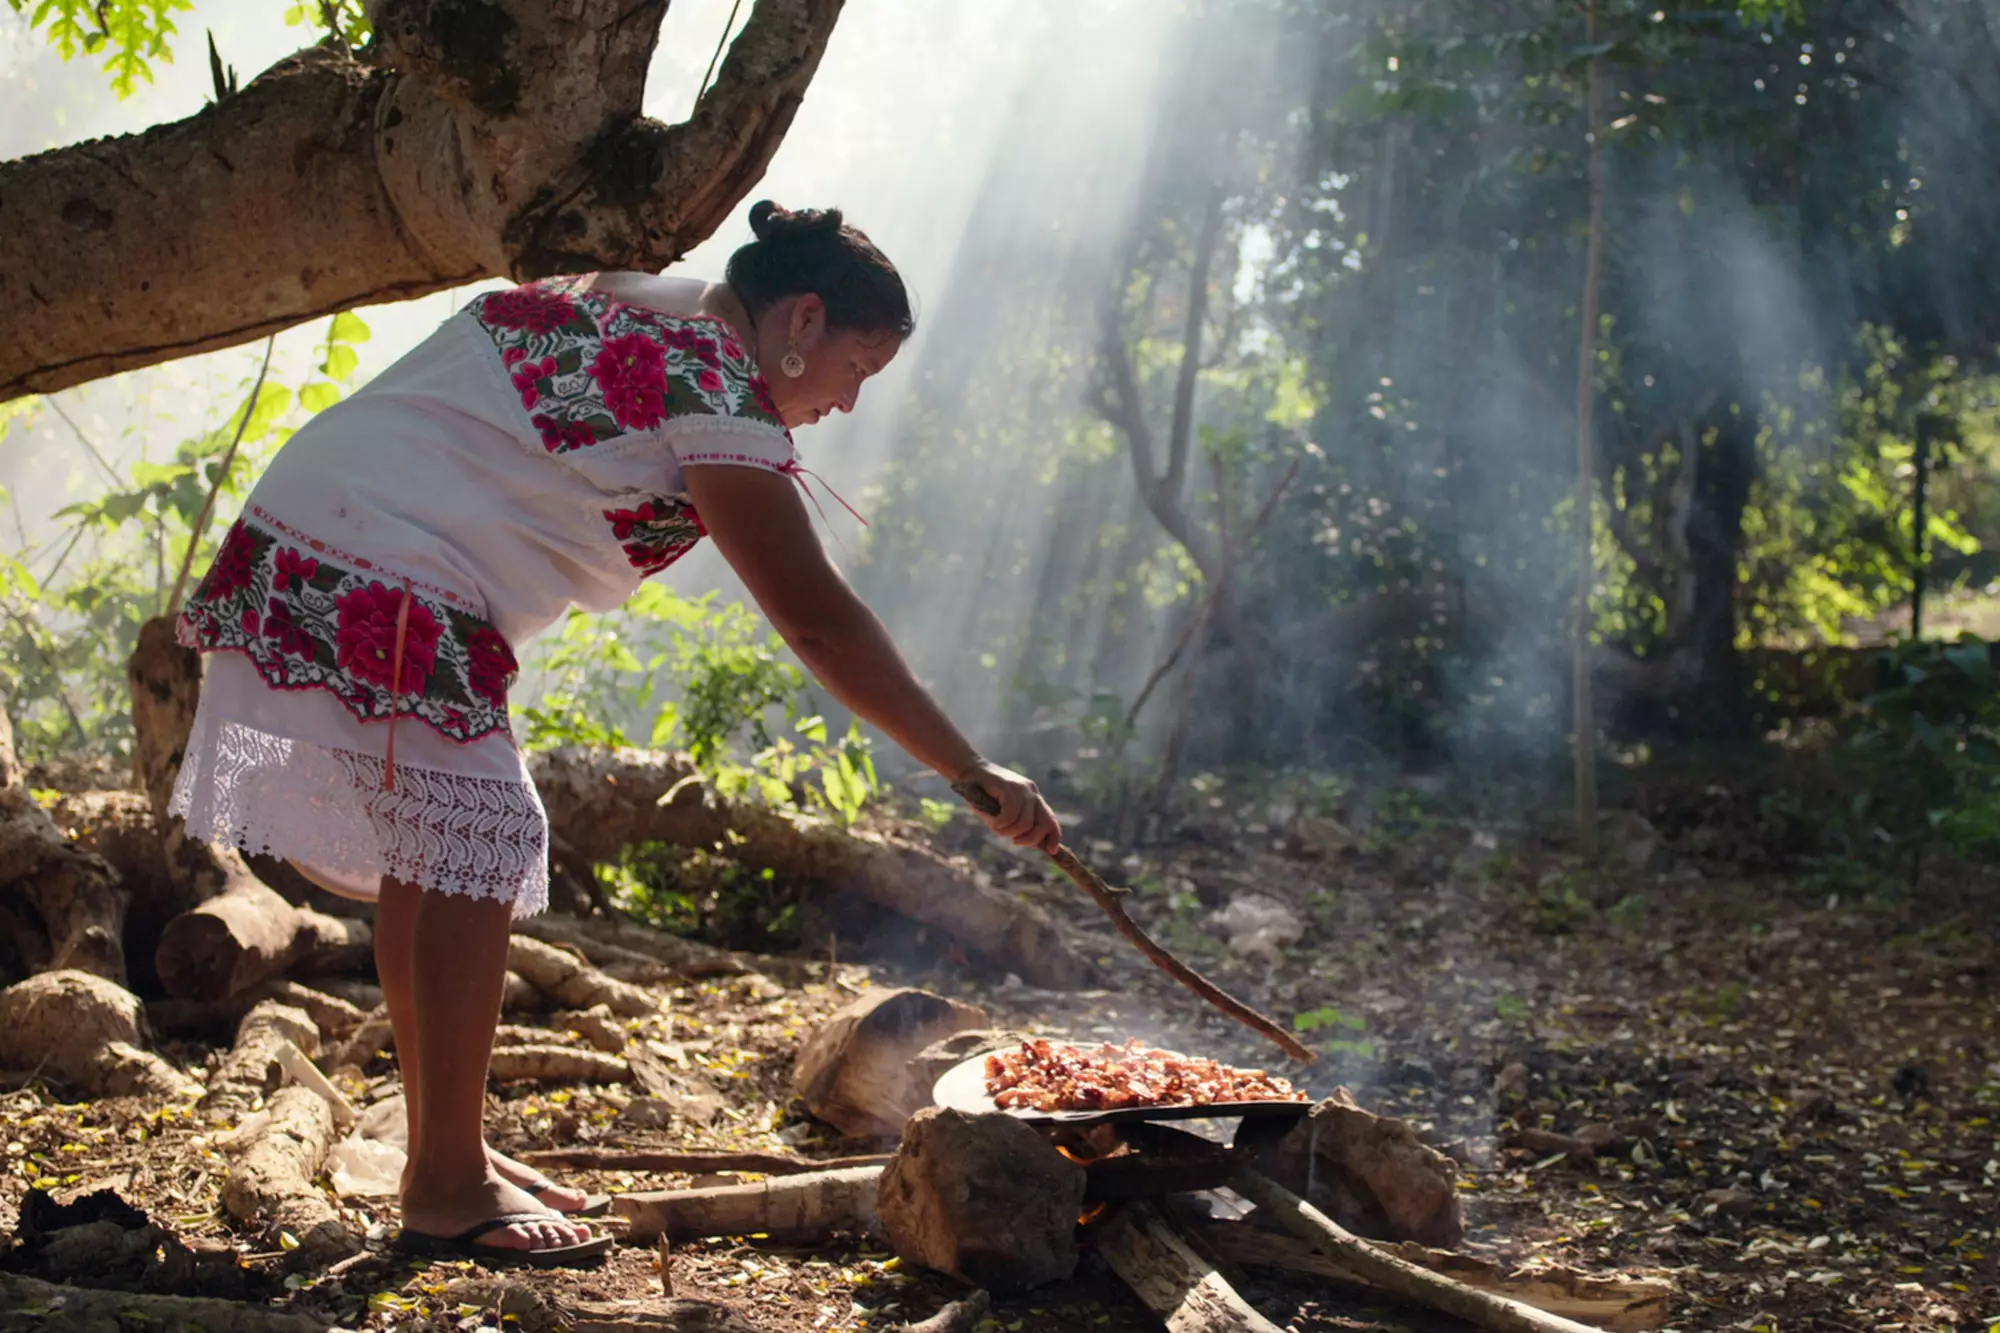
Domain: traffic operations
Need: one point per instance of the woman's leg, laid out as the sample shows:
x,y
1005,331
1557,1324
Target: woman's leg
x,y
395,935
456,955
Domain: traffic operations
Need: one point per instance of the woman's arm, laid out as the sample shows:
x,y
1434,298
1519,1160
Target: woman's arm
x,y
759,522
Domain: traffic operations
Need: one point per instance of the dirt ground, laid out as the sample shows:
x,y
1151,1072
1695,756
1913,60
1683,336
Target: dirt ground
x,y
1800,1084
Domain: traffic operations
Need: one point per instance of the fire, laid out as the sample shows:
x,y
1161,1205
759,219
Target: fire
x,y
1080,1161
1091,1214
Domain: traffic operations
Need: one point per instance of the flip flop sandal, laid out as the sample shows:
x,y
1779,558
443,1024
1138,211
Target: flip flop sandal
x,y
594,1205
466,1245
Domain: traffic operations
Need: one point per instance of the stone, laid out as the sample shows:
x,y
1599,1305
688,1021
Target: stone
x,y
859,1071
983,1198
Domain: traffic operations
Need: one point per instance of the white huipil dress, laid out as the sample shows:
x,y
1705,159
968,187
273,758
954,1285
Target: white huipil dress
x,y
361,617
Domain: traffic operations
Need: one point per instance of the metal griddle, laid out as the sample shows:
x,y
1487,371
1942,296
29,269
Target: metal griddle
x,y
963,1088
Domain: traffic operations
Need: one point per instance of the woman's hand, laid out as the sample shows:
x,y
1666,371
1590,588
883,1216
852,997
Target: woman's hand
x,y
1023,815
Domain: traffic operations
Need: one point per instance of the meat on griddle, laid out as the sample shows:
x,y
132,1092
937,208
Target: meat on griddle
x,y
1054,1076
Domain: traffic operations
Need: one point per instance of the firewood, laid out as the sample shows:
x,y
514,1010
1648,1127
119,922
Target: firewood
x,y
270,1182
253,1069
1617,1304
540,1307
335,1017
605,942
247,934
957,1317
983,1198
76,897
1371,1173
692,1163
597,1025
43,1307
89,1033
520,996
859,1070
575,984
1169,1275
801,1209
375,1034
1394,1276
556,1064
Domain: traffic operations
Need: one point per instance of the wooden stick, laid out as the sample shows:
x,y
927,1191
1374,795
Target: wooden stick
x,y
957,1317
1617,1304
798,1209
1394,1276
694,1163
1107,898
1167,1273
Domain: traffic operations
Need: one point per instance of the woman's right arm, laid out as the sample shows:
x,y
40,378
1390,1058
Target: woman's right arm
x,y
760,524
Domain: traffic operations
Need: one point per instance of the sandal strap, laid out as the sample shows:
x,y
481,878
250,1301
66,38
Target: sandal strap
x,y
479,1229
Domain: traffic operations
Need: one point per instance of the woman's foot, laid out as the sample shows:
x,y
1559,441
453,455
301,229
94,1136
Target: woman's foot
x,y
450,1207
547,1193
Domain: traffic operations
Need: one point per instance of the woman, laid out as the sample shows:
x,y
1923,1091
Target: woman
x,y
548,447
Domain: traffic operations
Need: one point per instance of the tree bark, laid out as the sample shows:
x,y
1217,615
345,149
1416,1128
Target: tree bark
x,y
252,1070
470,139
249,935
28,1306
270,1181
1171,1278
801,1209
76,897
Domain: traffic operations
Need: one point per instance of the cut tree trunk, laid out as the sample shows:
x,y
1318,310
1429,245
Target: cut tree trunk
x,y
248,934
984,1198
1371,1173
29,1306
1170,1276
1393,1276
693,1162
507,143
573,983
88,1032
1616,1304
334,1017
77,901
271,1174
801,1209
600,802
254,1069
859,1070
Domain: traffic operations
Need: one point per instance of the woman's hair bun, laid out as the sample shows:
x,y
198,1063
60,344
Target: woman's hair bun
x,y
772,223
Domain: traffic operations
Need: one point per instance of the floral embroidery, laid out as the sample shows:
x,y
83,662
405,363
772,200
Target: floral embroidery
x,y
307,623
658,532
589,368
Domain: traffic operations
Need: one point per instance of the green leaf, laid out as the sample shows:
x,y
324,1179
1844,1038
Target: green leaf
x,y
319,395
348,327
341,362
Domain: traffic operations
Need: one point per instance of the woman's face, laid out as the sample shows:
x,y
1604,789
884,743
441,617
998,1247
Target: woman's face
x,y
838,361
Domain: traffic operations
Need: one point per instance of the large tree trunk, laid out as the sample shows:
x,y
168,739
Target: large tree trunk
x,y
489,138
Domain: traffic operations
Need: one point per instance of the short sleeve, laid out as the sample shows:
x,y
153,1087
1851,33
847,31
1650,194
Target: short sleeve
x,y
721,409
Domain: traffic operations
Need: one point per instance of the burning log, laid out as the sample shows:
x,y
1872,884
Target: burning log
x,y
88,1032
693,1163
859,1070
573,983
1166,1271
984,1198
803,1208
254,1069
1394,1276
1371,1173
270,1181
1616,1304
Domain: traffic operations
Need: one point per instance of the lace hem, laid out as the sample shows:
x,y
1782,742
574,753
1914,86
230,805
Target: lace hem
x,y
325,808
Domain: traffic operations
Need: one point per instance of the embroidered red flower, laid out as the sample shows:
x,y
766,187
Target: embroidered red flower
x,y
492,664
760,389
234,564
291,636
631,373
513,356
365,638
710,381
625,521
578,435
295,570
527,378
250,620
532,308
732,349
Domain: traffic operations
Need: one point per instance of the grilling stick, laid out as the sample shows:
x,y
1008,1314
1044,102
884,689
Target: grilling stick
x,y
1108,898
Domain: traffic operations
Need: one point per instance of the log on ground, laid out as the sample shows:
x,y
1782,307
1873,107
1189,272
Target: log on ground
x,y
1617,1304
248,934
573,983
600,802
604,942
556,1064
799,1209
693,1162
335,1017
271,1174
88,1032
1371,1173
254,1068
534,1307
76,898
859,1070
29,1306
1394,1276
1171,1277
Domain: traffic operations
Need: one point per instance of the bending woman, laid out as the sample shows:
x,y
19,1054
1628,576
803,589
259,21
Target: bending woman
x,y
549,446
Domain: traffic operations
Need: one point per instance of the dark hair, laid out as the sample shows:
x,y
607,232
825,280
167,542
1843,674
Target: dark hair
x,y
813,250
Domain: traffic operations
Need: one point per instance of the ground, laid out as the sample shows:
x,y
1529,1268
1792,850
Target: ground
x,y
1800,1079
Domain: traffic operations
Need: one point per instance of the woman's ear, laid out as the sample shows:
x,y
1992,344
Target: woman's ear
x,y
808,319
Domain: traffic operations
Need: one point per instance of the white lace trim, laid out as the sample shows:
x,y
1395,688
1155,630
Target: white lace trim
x,y
325,808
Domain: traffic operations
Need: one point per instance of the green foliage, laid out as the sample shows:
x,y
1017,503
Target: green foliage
x,y
1929,747
132,35
73,609
738,708
1332,1019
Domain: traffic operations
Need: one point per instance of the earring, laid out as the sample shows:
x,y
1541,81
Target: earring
x,y
793,365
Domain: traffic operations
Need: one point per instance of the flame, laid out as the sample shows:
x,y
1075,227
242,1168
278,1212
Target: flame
x,y
1080,1161
1091,1214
